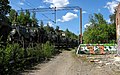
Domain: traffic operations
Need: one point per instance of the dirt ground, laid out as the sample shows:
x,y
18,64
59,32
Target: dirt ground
x,y
68,64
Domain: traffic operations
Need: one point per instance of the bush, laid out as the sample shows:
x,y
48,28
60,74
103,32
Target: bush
x,y
48,49
13,57
10,55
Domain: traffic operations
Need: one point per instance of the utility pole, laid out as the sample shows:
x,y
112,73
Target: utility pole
x,y
80,37
55,14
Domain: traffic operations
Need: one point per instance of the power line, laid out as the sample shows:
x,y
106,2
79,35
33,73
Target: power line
x,y
48,18
30,3
16,5
26,3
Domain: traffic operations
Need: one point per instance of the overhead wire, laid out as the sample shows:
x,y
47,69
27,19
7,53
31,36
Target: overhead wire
x,y
24,1
15,4
48,18
30,4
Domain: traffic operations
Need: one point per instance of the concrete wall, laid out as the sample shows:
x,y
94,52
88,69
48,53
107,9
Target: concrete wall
x,y
118,22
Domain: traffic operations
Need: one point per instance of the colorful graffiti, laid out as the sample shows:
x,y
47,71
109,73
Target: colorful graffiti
x,y
97,48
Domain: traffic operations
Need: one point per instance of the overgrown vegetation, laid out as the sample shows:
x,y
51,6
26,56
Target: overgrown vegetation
x,y
99,30
14,58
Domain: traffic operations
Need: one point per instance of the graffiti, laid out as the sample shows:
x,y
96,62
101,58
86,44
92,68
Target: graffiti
x,y
118,48
91,49
101,48
98,48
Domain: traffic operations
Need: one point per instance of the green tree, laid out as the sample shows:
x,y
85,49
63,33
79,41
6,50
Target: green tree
x,y
4,10
41,24
48,28
12,16
21,19
28,20
70,34
97,32
4,7
113,18
67,32
34,20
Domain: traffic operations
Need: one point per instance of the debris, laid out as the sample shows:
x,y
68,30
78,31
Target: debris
x,y
94,60
116,58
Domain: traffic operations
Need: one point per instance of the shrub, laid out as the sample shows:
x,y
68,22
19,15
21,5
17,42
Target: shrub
x,y
48,49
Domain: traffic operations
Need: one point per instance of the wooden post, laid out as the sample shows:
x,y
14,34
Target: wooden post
x,y
81,26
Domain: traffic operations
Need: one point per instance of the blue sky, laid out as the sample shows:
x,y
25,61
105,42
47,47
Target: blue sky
x,y
68,18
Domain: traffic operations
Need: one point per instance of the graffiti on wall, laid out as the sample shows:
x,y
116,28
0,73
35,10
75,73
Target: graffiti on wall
x,y
97,48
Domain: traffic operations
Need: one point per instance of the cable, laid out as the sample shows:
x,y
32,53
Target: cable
x,y
30,3
26,3
15,4
48,18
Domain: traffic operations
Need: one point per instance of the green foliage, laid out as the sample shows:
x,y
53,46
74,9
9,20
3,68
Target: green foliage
x,y
48,49
10,55
24,18
99,31
21,19
34,20
14,52
12,16
4,10
4,7
70,34
41,24
48,28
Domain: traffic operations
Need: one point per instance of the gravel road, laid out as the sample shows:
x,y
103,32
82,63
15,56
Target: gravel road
x,y
67,64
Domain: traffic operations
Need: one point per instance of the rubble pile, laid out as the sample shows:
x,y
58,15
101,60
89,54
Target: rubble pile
x,y
109,63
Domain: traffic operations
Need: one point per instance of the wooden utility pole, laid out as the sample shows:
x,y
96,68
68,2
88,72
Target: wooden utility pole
x,y
80,37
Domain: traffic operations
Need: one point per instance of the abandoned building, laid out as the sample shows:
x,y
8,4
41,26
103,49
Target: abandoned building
x,y
118,22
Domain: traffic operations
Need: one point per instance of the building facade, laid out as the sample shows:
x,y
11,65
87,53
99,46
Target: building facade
x,y
118,22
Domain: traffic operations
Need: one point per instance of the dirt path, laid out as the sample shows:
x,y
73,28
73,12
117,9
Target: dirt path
x,y
66,64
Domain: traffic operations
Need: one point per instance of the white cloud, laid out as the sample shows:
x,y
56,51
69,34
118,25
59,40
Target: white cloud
x,y
84,12
57,3
21,3
112,5
69,16
40,6
75,10
118,0
50,24
88,24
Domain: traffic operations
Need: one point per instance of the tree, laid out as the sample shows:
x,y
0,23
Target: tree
x,y
4,21
12,16
67,32
113,18
41,24
48,28
112,27
4,10
34,20
70,34
4,7
28,20
21,19
57,28
97,32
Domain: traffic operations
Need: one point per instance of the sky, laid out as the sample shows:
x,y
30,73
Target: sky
x,y
68,18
